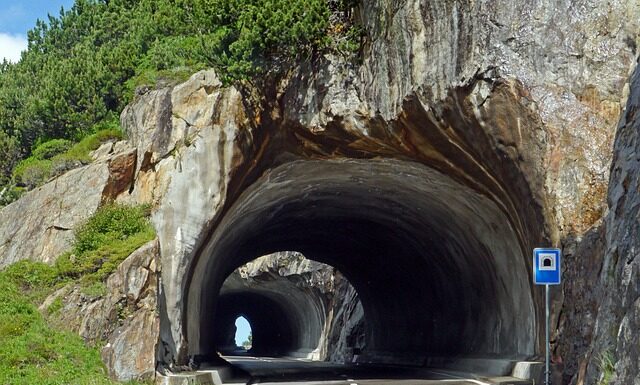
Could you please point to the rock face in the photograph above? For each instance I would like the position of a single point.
(516, 102)
(124, 315)
(618, 320)
(321, 310)
(40, 225)
(583, 258)
(468, 134)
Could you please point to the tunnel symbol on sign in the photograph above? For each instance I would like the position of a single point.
(547, 262)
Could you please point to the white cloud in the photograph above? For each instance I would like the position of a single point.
(11, 46)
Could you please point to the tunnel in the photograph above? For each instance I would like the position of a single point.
(273, 327)
(438, 267)
(298, 308)
(287, 319)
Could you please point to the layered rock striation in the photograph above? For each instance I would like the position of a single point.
(618, 318)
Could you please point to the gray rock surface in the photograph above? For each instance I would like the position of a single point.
(617, 324)
(124, 316)
(188, 139)
(39, 226)
(576, 306)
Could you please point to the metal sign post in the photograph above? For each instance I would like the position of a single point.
(546, 271)
(546, 335)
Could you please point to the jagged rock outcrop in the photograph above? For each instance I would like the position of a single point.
(617, 324)
(583, 258)
(345, 337)
(124, 316)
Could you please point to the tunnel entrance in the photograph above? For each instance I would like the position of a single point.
(297, 308)
(439, 268)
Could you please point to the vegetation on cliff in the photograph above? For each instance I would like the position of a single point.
(83, 66)
(31, 351)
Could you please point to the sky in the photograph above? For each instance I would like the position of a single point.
(242, 330)
(19, 16)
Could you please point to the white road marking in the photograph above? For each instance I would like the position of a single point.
(467, 380)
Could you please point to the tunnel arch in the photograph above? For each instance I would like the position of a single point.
(438, 267)
(298, 307)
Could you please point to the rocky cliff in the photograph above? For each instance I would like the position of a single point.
(469, 133)
(618, 317)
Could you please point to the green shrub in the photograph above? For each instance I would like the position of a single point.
(108, 237)
(111, 222)
(9, 155)
(79, 67)
(57, 156)
(79, 153)
(10, 193)
(257, 36)
(32, 172)
(49, 149)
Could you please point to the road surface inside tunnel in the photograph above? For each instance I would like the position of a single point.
(271, 370)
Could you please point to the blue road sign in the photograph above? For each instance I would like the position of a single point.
(546, 266)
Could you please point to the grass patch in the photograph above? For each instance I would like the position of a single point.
(35, 280)
(94, 290)
(55, 306)
(102, 243)
(31, 351)
(57, 156)
(607, 367)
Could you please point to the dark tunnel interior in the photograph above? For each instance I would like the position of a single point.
(437, 266)
(297, 307)
(274, 332)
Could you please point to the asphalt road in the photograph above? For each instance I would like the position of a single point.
(264, 370)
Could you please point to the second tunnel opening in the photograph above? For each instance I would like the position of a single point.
(297, 307)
